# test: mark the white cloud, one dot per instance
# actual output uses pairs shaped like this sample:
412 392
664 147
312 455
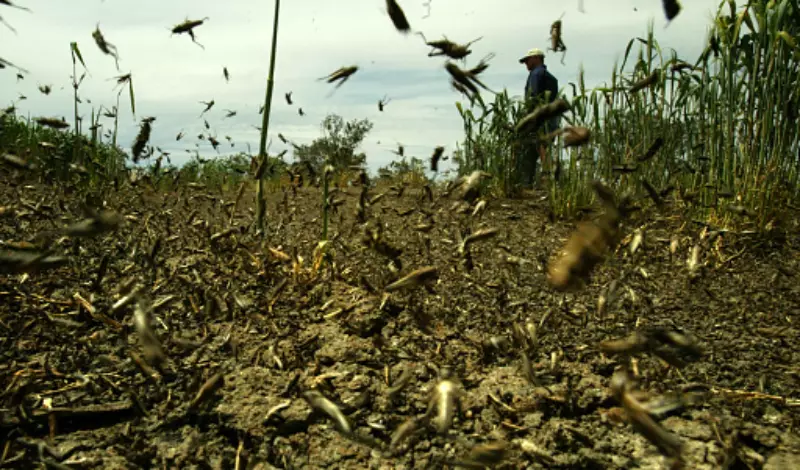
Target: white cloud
171 74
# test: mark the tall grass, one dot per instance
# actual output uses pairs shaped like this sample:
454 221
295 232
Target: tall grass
262 148
729 122
491 143
51 150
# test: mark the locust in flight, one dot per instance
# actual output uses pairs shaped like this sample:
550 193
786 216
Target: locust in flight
343 74
188 28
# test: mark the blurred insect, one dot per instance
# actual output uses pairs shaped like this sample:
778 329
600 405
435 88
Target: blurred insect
679 66
465 77
645 82
463 90
229 113
484 455
105 47
288 99
320 403
415 278
651 191
208 105
214 383
483 64
45 89
575 136
214 143
469 186
383 102
672 346
26 261
651 151
188 27
671 8
542 113
667 443
179 136
4 63
588 244
53 123
97 223
401 150
449 48
300 112
207 125
12 30
8 3
343 74
151 345
483 234
624 169
226 74
443 401
398 17
16 162
19 76
556 43
403 431
437 154
142 138
713 44
122 79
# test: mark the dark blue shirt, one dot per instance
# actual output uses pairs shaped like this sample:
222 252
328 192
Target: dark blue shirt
539 82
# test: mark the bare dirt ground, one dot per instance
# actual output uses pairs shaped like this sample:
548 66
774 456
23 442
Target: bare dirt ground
247 327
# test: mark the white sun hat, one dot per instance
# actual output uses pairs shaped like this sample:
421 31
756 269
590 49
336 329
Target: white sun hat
535 52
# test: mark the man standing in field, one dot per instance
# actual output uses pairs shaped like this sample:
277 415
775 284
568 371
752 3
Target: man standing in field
541 87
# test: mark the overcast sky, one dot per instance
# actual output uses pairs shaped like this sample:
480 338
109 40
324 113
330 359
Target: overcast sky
315 37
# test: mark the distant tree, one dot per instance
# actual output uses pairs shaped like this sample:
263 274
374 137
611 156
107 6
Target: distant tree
338 144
